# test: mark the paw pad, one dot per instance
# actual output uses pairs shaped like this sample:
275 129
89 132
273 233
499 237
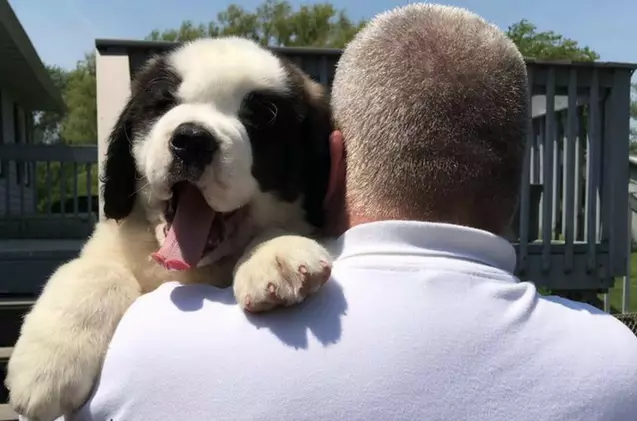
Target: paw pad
247 303
274 294
313 281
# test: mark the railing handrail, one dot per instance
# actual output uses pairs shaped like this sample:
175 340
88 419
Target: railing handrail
131 44
84 154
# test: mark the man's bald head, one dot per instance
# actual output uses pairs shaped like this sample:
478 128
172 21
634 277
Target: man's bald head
432 102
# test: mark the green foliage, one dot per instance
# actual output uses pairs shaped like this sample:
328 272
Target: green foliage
633 116
544 291
547 45
79 127
273 23
633 106
616 293
54 178
47 124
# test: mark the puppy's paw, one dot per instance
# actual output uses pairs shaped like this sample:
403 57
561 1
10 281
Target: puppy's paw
280 272
48 379
57 359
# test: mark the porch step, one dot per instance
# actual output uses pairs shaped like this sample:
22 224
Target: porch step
12 312
5 353
5 411
26 265
7 414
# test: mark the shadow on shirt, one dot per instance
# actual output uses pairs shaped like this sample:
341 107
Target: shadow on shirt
320 314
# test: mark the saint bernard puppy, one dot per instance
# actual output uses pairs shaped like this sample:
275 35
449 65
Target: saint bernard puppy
215 172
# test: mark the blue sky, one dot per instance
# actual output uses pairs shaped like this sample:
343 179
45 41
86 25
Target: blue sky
62 30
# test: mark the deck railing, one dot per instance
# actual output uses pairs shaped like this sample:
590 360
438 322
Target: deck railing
47 191
571 231
576 174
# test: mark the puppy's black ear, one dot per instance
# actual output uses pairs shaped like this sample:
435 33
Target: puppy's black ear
119 173
317 128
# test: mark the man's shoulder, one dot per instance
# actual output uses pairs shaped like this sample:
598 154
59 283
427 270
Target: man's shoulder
175 298
595 332
592 350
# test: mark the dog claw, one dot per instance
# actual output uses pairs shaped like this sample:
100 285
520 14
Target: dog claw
282 273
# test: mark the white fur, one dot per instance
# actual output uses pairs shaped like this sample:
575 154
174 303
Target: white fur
227 183
226 70
210 94
64 338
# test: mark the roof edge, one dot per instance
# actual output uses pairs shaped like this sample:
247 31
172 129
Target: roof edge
21 40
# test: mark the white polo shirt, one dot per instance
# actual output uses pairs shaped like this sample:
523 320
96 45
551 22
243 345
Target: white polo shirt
421 321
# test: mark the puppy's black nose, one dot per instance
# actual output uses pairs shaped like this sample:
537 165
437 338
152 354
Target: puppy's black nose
193 144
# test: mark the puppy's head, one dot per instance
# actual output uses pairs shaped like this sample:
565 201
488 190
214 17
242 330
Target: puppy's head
226 125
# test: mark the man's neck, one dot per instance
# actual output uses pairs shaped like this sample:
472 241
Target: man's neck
352 219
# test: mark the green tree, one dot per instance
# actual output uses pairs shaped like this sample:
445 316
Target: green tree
273 23
48 124
79 125
547 45
633 116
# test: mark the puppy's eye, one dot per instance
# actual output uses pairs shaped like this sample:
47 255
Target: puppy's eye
270 112
259 111
164 102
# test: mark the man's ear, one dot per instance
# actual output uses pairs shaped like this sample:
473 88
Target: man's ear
316 130
336 177
119 172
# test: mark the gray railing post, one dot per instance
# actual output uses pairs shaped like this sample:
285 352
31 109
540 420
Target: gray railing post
626 280
619 131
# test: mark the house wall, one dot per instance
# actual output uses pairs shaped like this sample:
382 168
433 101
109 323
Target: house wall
16 180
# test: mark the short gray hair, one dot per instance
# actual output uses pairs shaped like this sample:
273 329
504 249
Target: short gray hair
433 105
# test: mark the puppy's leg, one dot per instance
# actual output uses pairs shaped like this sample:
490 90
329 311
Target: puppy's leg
280 269
58 357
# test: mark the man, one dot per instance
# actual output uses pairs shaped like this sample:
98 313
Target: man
423 318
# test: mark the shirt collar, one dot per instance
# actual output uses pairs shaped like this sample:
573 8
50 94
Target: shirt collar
427 239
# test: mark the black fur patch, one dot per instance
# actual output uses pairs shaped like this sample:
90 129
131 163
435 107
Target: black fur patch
289 135
151 97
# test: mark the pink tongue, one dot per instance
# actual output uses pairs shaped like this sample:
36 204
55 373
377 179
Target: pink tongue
184 245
